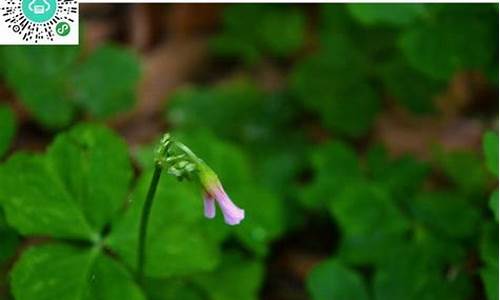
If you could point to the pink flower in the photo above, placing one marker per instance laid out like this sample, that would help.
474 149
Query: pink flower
214 192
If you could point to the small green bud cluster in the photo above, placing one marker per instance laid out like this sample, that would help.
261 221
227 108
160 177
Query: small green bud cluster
176 158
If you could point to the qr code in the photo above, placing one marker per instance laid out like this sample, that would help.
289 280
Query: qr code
38 22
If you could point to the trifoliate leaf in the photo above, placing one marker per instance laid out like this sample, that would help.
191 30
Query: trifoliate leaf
36 201
94 166
106 82
409 275
59 271
446 213
370 222
251 38
456 38
73 190
333 84
39 76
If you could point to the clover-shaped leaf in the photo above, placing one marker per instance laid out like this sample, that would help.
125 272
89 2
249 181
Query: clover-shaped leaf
370 221
105 83
73 191
61 271
333 83
454 38
42 88
54 84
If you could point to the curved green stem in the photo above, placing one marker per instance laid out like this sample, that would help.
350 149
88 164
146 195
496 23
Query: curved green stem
143 230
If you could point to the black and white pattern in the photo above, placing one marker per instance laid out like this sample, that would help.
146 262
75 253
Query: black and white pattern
12 16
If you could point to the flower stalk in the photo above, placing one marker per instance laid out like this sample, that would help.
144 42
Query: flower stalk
143 229
179 161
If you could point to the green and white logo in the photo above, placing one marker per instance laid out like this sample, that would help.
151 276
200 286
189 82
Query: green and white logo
62 28
39 22
39 11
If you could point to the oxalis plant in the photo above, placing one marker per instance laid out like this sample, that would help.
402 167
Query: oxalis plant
88 244
179 161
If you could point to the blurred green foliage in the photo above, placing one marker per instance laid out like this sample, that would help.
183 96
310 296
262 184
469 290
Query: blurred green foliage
404 227
57 83
250 38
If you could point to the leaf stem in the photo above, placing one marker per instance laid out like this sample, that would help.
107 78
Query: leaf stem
143 230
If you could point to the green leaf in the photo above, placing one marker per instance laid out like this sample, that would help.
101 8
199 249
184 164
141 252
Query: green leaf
489 276
332 280
369 221
180 240
265 217
465 169
111 280
493 204
73 190
37 202
391 14
59 271
489 255
251 38
281 40
173 289
446 213
409 87
488 247
456 38
8 239
490 148
412 276
235 103
106 82
38 75
8 128
347 107
402 176
238 19
93 164
235 278
335 166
